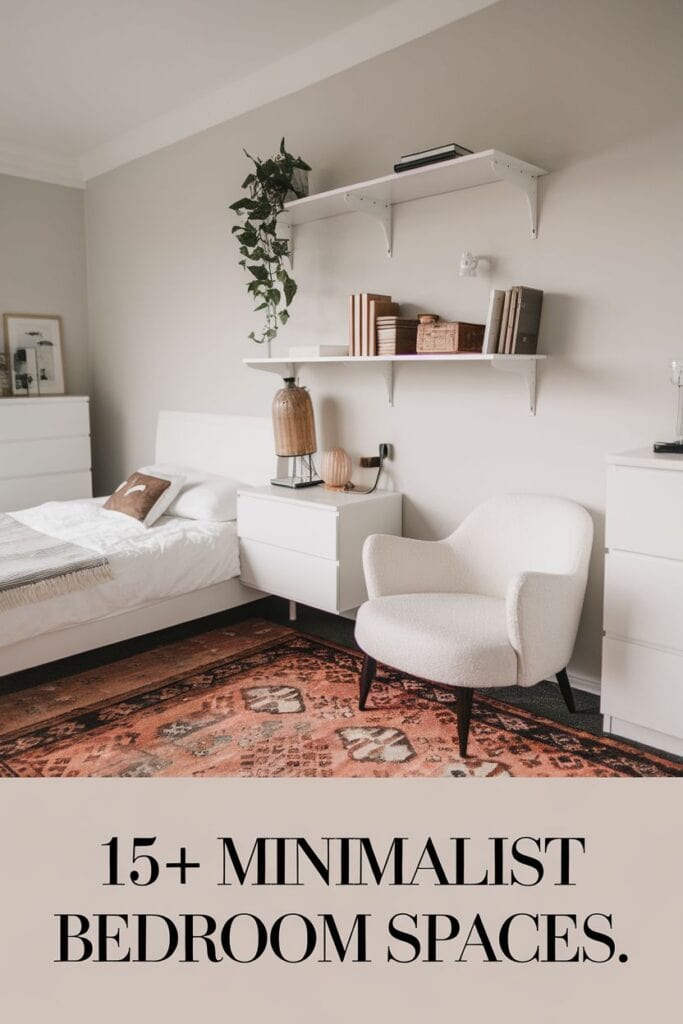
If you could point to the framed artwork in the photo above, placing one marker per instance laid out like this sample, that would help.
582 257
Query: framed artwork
5 389
33 354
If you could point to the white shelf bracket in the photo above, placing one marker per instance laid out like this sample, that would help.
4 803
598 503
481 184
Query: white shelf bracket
528 183
383 212
388 373
523 368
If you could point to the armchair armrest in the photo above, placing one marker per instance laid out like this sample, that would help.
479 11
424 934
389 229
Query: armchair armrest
401 565
543 611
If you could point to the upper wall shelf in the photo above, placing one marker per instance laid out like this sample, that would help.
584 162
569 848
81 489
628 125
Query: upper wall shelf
378 197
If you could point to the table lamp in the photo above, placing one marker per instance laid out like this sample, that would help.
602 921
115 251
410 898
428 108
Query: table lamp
675 446
294 432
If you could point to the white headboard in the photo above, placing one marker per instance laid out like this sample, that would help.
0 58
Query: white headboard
236 446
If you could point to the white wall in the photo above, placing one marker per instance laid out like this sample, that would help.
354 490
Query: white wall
42 263
591 89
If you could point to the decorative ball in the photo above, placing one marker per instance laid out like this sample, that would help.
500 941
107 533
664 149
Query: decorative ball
336 469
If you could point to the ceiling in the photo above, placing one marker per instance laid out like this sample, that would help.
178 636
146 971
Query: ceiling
86 85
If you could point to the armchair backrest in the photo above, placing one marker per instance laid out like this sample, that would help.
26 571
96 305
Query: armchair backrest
515 533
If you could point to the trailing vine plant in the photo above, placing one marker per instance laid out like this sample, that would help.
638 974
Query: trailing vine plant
263 252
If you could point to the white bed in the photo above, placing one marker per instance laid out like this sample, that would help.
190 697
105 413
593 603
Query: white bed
174 571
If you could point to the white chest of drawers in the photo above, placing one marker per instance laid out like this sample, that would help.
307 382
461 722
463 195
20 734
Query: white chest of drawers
44 450
306 545
642 667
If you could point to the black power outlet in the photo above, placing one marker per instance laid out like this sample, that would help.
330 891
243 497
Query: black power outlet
374 461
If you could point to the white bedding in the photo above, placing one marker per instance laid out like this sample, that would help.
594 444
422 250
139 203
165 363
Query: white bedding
175 556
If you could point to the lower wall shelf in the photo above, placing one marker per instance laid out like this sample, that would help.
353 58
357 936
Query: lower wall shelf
522 366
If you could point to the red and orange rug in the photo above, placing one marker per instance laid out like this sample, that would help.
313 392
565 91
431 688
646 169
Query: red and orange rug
258 699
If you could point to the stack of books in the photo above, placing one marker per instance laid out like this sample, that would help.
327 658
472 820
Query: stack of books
513 321
430 156
396 335
364 310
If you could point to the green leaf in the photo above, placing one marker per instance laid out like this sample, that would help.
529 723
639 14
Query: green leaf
284 316
242 204
290 290
259 272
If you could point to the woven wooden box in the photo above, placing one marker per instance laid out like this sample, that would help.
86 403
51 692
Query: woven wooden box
445 337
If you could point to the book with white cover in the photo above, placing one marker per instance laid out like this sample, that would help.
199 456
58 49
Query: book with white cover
493 319
317 351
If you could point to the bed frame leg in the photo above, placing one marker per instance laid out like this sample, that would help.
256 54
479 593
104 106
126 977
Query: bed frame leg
292 611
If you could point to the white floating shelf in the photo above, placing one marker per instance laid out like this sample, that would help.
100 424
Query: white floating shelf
378 196
523 366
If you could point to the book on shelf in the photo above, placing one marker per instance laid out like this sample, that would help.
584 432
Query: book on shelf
396 335
527 321
520 321
366 328
504 321
356 326
493 319
379 308
363 309
430 156
514 294
316 351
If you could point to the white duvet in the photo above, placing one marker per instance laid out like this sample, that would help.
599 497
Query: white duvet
175 556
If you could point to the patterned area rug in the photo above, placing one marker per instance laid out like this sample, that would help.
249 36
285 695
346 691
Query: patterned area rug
257 699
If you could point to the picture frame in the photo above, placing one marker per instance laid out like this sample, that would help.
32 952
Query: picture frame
33 354
5 387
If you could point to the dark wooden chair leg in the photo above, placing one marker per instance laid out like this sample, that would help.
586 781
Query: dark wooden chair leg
366 677
566 690
465 695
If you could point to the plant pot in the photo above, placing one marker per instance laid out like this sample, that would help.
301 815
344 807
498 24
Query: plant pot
299 187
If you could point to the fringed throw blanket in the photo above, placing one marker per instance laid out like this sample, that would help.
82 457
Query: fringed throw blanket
34 566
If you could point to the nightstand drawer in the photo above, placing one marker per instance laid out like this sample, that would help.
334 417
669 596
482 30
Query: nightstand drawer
644 599
291 574
645 511
309 530
642 685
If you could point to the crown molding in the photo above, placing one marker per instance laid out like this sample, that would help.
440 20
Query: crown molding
20 162
369 37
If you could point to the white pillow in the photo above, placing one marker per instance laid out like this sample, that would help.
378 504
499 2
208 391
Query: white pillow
203 496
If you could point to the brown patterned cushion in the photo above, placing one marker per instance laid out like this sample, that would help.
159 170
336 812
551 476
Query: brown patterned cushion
139 496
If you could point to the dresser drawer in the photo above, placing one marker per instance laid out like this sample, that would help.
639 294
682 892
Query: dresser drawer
309 530
290 574
27 491
30 458
644 599
645 511
643 685
41 417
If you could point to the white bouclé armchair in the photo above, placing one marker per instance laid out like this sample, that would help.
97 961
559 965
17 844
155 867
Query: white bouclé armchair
495 604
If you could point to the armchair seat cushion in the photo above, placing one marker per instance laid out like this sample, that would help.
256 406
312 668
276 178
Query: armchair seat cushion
455 639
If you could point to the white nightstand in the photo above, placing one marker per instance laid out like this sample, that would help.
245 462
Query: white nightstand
306 545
